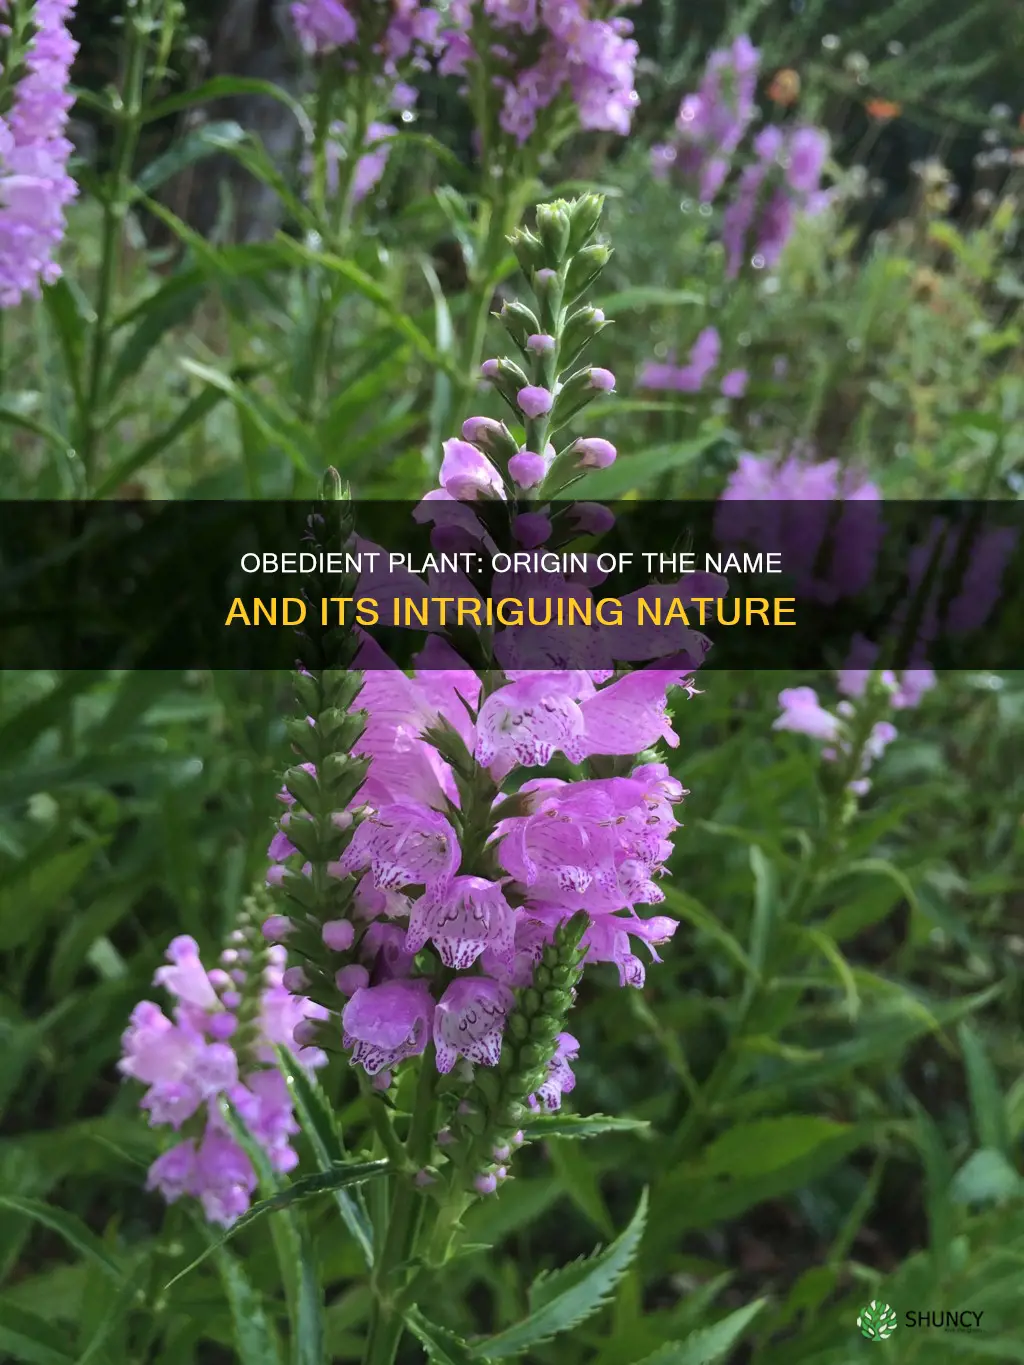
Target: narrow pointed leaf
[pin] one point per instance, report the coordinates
(567, 1297)
(66, 1225)
(298, 1192)
(580, 1126)
(320, 1127)
(255, 1342)
(708, 1344)
(442, 1347)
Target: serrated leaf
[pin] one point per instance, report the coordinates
(442, 1347)
(254, 1337)
(567, 1297)
(67, 1226)
(298, 1192)
(709, 1343)
(580, 1126)
(320, 1127)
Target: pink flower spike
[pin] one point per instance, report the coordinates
(534, 401)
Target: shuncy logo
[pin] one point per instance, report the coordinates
(877, 1321)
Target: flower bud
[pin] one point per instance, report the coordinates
(554, 226)
(519, 321)
(277, 928)
(528, 248)
(338, 935)
(584, 269)
(584, 216)
(485, 1184)
(593, 452)
(527, 469)
(490, 436)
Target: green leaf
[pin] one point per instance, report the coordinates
(320, 1126)
(41, 884)
(986, 1177)
(191, 415)
(297, 1192)
(638, 471)
(14, 414)
(31, 1339)
(579, 1180)
(565, 1298)
(223, 87)
(642, 296)
(67, 1226)
(710, 1343)
(71, 316)
(442, 1347)
(222, 136)
(580, 1126)
(754, 1149)
(987, 1105)
(275, 424)
(370, 290)
(254, 1337)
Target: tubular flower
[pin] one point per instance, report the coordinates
(217, 1046)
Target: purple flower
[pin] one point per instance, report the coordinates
(467, 474)
(35, 187)
(593, 452)
(323, 25)
(469, 1021)
(404, 844)
(383, 1025)
(804, 714)
(527, 722)
(807, 150)
(463, 919)
(734, 384)
(560, 1079)
(527, 468)
(534, 401)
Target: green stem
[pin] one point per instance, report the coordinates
(405, 1218)
(497, 212)
(115, 210)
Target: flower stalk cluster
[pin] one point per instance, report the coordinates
(768, 177)
(36, 52)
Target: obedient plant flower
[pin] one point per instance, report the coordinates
(544, 55)
(393, 35)
(788, 501)
(216, 1048)
(851, 734)
(438, 817)
(765, 181)
(35, 187)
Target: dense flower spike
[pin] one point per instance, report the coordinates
(426, 889)
(218, 1046)
(777, 177)
(35, 187)
(544, 52)
(855, 732)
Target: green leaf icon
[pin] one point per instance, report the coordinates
(877, 1321)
